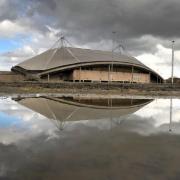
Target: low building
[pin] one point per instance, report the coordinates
(8, 76)
(85, 65)
(176, 80)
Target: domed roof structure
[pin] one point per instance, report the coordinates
(66, 56)
(58, 60)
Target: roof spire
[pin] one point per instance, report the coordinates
(62, 38)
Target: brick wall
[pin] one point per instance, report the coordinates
(10, 77)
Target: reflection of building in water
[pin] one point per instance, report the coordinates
(77, 109)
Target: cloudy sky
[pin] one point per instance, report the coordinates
(146, 28)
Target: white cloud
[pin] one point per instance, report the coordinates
(161, 61)
(25, 123)
(39, 43)
(10, 29)
(2, 2)
(9, 59)
(25, 51)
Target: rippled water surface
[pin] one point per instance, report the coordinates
(89, 139)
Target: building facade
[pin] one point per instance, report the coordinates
(85, 65)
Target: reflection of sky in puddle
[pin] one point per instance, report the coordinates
(18, 122)
(34, 147)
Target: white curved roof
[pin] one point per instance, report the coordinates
(54, 58)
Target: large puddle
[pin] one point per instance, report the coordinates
(89, 139)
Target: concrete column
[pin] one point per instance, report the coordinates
(80, 74)
(48, 77)
(149, 77)
(109, 68)
(132, 80)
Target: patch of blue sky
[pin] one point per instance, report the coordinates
(7, 45)
(7, 121)
(10, 44)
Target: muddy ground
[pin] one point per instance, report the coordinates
(90, 88)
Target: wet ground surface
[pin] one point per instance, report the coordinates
(85, 139)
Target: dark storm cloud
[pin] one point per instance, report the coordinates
(9, 9)
(91, 21)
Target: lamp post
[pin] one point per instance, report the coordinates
(172, 71)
